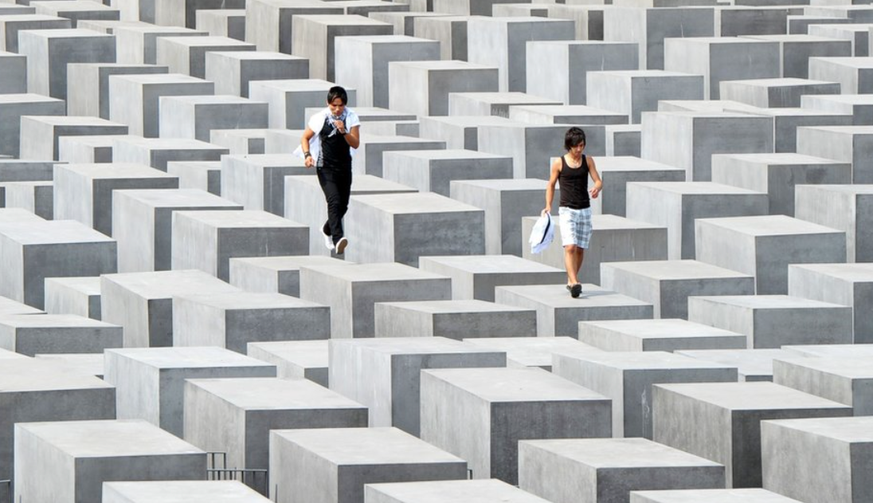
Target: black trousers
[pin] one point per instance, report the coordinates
(336, 183)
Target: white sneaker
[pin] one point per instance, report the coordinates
(328, 241)
(341, 245)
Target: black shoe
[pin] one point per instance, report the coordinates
(576, 291)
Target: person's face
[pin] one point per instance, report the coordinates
(577, 149)
(336, 106)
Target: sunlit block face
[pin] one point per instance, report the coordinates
(336, 107)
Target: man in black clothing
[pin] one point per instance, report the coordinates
(328, 143)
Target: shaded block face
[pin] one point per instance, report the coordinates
(842, 143)
(288, 100)
(84, 454)
(476, 277)
(844, 284)
(794, 453)
(847, 380)
(434, 170)
(192, 491)
(314, 38)
(258, 181)
(658, 335)
(13, 73)
(232, 71)
(138, 44)
(196, 116)
(668, 284)
(12, 108)
(40, 391)
(531, 146)
(509, 405)
(135, 99)
(450, 31)
(848, 208)
(369, 158)
(158, 153)
(10, 26)
(268, 22)
(57, 333)
(40, 135)
(334, 464)
(49, 51)
(352, 291)
(775, 93)
(558, 314)
(295, 359)
(423, 88)
(635, 92)
(856, 105)
(722, 421)
(233, 320)
(606, 470)
(187, 55)
(197, 175)
(384, 374)
(617, 172)
(274, 274)
(627, 379)
(764, 247)
(853, 74)
(236, 415)
(150, 381)
(403, 227)
(454, 319)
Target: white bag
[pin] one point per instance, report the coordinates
(542, 234)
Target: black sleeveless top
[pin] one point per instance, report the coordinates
(574, 185)
(334, 149)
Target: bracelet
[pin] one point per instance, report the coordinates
(306, 154)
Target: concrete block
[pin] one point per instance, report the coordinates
(860, 350)
(404, 21)
(137, 98)
(852, 73)
(794, 453)
(361, 286)
(193, 492)
(295, 359)
(676, 206)
(137, 44)
(288, 100)
(844, 284)
(752, 364)
(158, 152)
(423, 88)
(384, 373)
(435, 170)
(459, 132)
(670, 335)
(627, 378)
(13, 68)
(362, 62)
(718, 59)
(258, 181)
(623, 140)
(588, 18)
(9, 306)
(845, 380)
(204, 176)
(84, 454)
(88, 364)
(859, 106)
(558, 314)
(229, 23)
(269, 22)
(49, 51)
(778, 175)
(187, 55)
(531, 146)
(36, 390)
(454, 319)
(617, 172)
(274, 274)
(35, 197)
(606, 470)
(764, 246)
(510, 405)
(57, 333)
(39, 134)
(197, 116)
(236, 415)
(635, 91)
(79, 296)
(774, 93)
(842, 207)
(532, 352)
(142, 223)
(796, 50)
(10, 26)
(476, 277)
(232, 320)
(333, 465)
(83, 192)
(709, 495)
(402, 227)
(77, 11)
(314, 38)
(169, 13)
(687, 139)
(12, 170)
(492, 104)
(786, 122)
(86, 149)
(855, 34)
(450, 31)
(668, 284)
(721, 421)
(240, 141)
(447, 491)
(150, 382)
(33, 251)
(15, 106)
(739, 20)
(841, 143)
(233, 71)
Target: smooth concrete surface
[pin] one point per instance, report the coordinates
(658, 335)
(213, 491)
(57, 333)
(524, 352)
(448, 491)
(477, 276)
(752, 364)
(295, 359)
(454, 319)
(844, 284)
(845, 380)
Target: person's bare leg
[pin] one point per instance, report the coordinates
(570, 264)
(580, 256)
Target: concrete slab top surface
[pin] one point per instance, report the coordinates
(851, 99)
(770, 225)
(854, 189)
(289, 263)
(51, 321)
(494, 264)
(443, 65)
(246, 133)
(399, 39)
(67, 33)
(455, 491)
(177, 198)
(846, 429)
(377, 272)
(794, 37)
(850, 367)
(472, 120)
(698, 188)
(187, 491)
(376, 139)
(5, 354)
(375, 114)
(154, 28)
(306, 353)
(297, 85)
(450, 154)
(456, 306)
(752, 396)
(34, 375)
(22, 99)
(720, 40)
(268, 160)
(52, 232)
(534, 351)
(505, 97)
(218, 99)
(780, 82)
(207, 41)
(568, 110)
(860, 273)
(9, 306)
(507, 185)
(254, 393)
(630, 163)
(845, 130)
(74, 6)
(646, 360)
(257, 55)
(109, 439)
(619, 453)
(18, 215)
(93, 141)
(665, 328)
(412, 346)
(509, 385)
(24, 18)
(71, 120)
(770, 302)
(239, 301)
(714, 496)
(343, 20)
(416, 203)
(647, 74)
(798, 112)
(84, 363)
(608, 222)
(240, 219)
(114, 171)
(854, 61)
(675, 270)
(169, 144)
(166, 284)
(556, 296)
(749, 362)
(778, 159)
(188, 357)
(829, 350)
(367, 446)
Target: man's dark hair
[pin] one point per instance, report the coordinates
(337, 92)
(575, 136)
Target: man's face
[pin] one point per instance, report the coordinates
(336, 106)
(577, 150)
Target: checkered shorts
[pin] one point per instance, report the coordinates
(575, 226)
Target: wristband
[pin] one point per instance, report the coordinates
(306, 154)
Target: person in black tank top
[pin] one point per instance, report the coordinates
(572, 172)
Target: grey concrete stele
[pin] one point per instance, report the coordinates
(228, 491)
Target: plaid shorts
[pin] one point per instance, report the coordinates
(575, 226)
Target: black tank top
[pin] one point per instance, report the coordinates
(334, 149)
(574, 185)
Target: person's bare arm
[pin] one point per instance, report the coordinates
(304, 144)
(595, 176)
(550, 188)
(353, 137)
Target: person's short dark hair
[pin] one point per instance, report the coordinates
(575, 136)
(337, 92)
